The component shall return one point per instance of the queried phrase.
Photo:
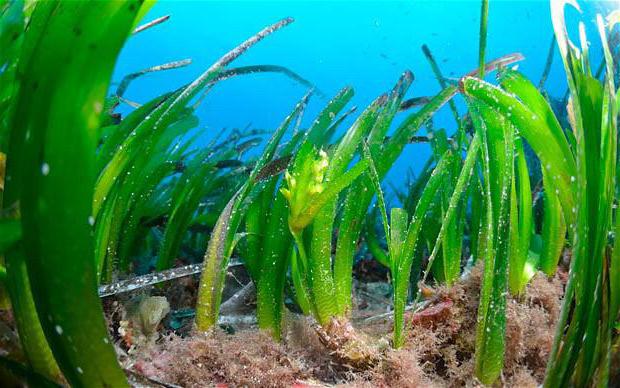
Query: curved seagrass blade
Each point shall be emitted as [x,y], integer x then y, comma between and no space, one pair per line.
[53,131]
[10,233]
[165,113]
[221,242]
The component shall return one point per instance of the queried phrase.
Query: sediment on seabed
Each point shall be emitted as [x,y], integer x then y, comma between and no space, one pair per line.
[438,352]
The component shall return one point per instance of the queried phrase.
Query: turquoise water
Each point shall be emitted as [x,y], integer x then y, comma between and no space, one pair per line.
[364,44]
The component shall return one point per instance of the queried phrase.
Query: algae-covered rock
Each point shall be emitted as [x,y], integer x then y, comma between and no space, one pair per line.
[143,316]
[151,311]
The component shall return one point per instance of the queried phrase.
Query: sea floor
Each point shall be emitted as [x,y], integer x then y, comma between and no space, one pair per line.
[438,352]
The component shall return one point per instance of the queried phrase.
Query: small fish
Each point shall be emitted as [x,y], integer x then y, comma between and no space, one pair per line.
[228,163]
[415,101]
[273,168]
[246,145]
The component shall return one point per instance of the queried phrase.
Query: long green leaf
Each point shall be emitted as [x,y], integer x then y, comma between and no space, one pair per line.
[538,128]
[584,326]
[55,196]
[498,147]
[219,249]
[402,265]
[520,223]
[164,113]
[459,189]
[10,233]
[553,229]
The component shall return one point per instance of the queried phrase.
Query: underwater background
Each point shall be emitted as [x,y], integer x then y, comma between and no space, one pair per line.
[363,44]
[197,227]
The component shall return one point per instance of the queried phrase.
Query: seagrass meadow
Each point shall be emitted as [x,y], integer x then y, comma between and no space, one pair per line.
[147,239]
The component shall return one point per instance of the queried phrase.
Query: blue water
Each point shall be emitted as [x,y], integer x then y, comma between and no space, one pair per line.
[364,44]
